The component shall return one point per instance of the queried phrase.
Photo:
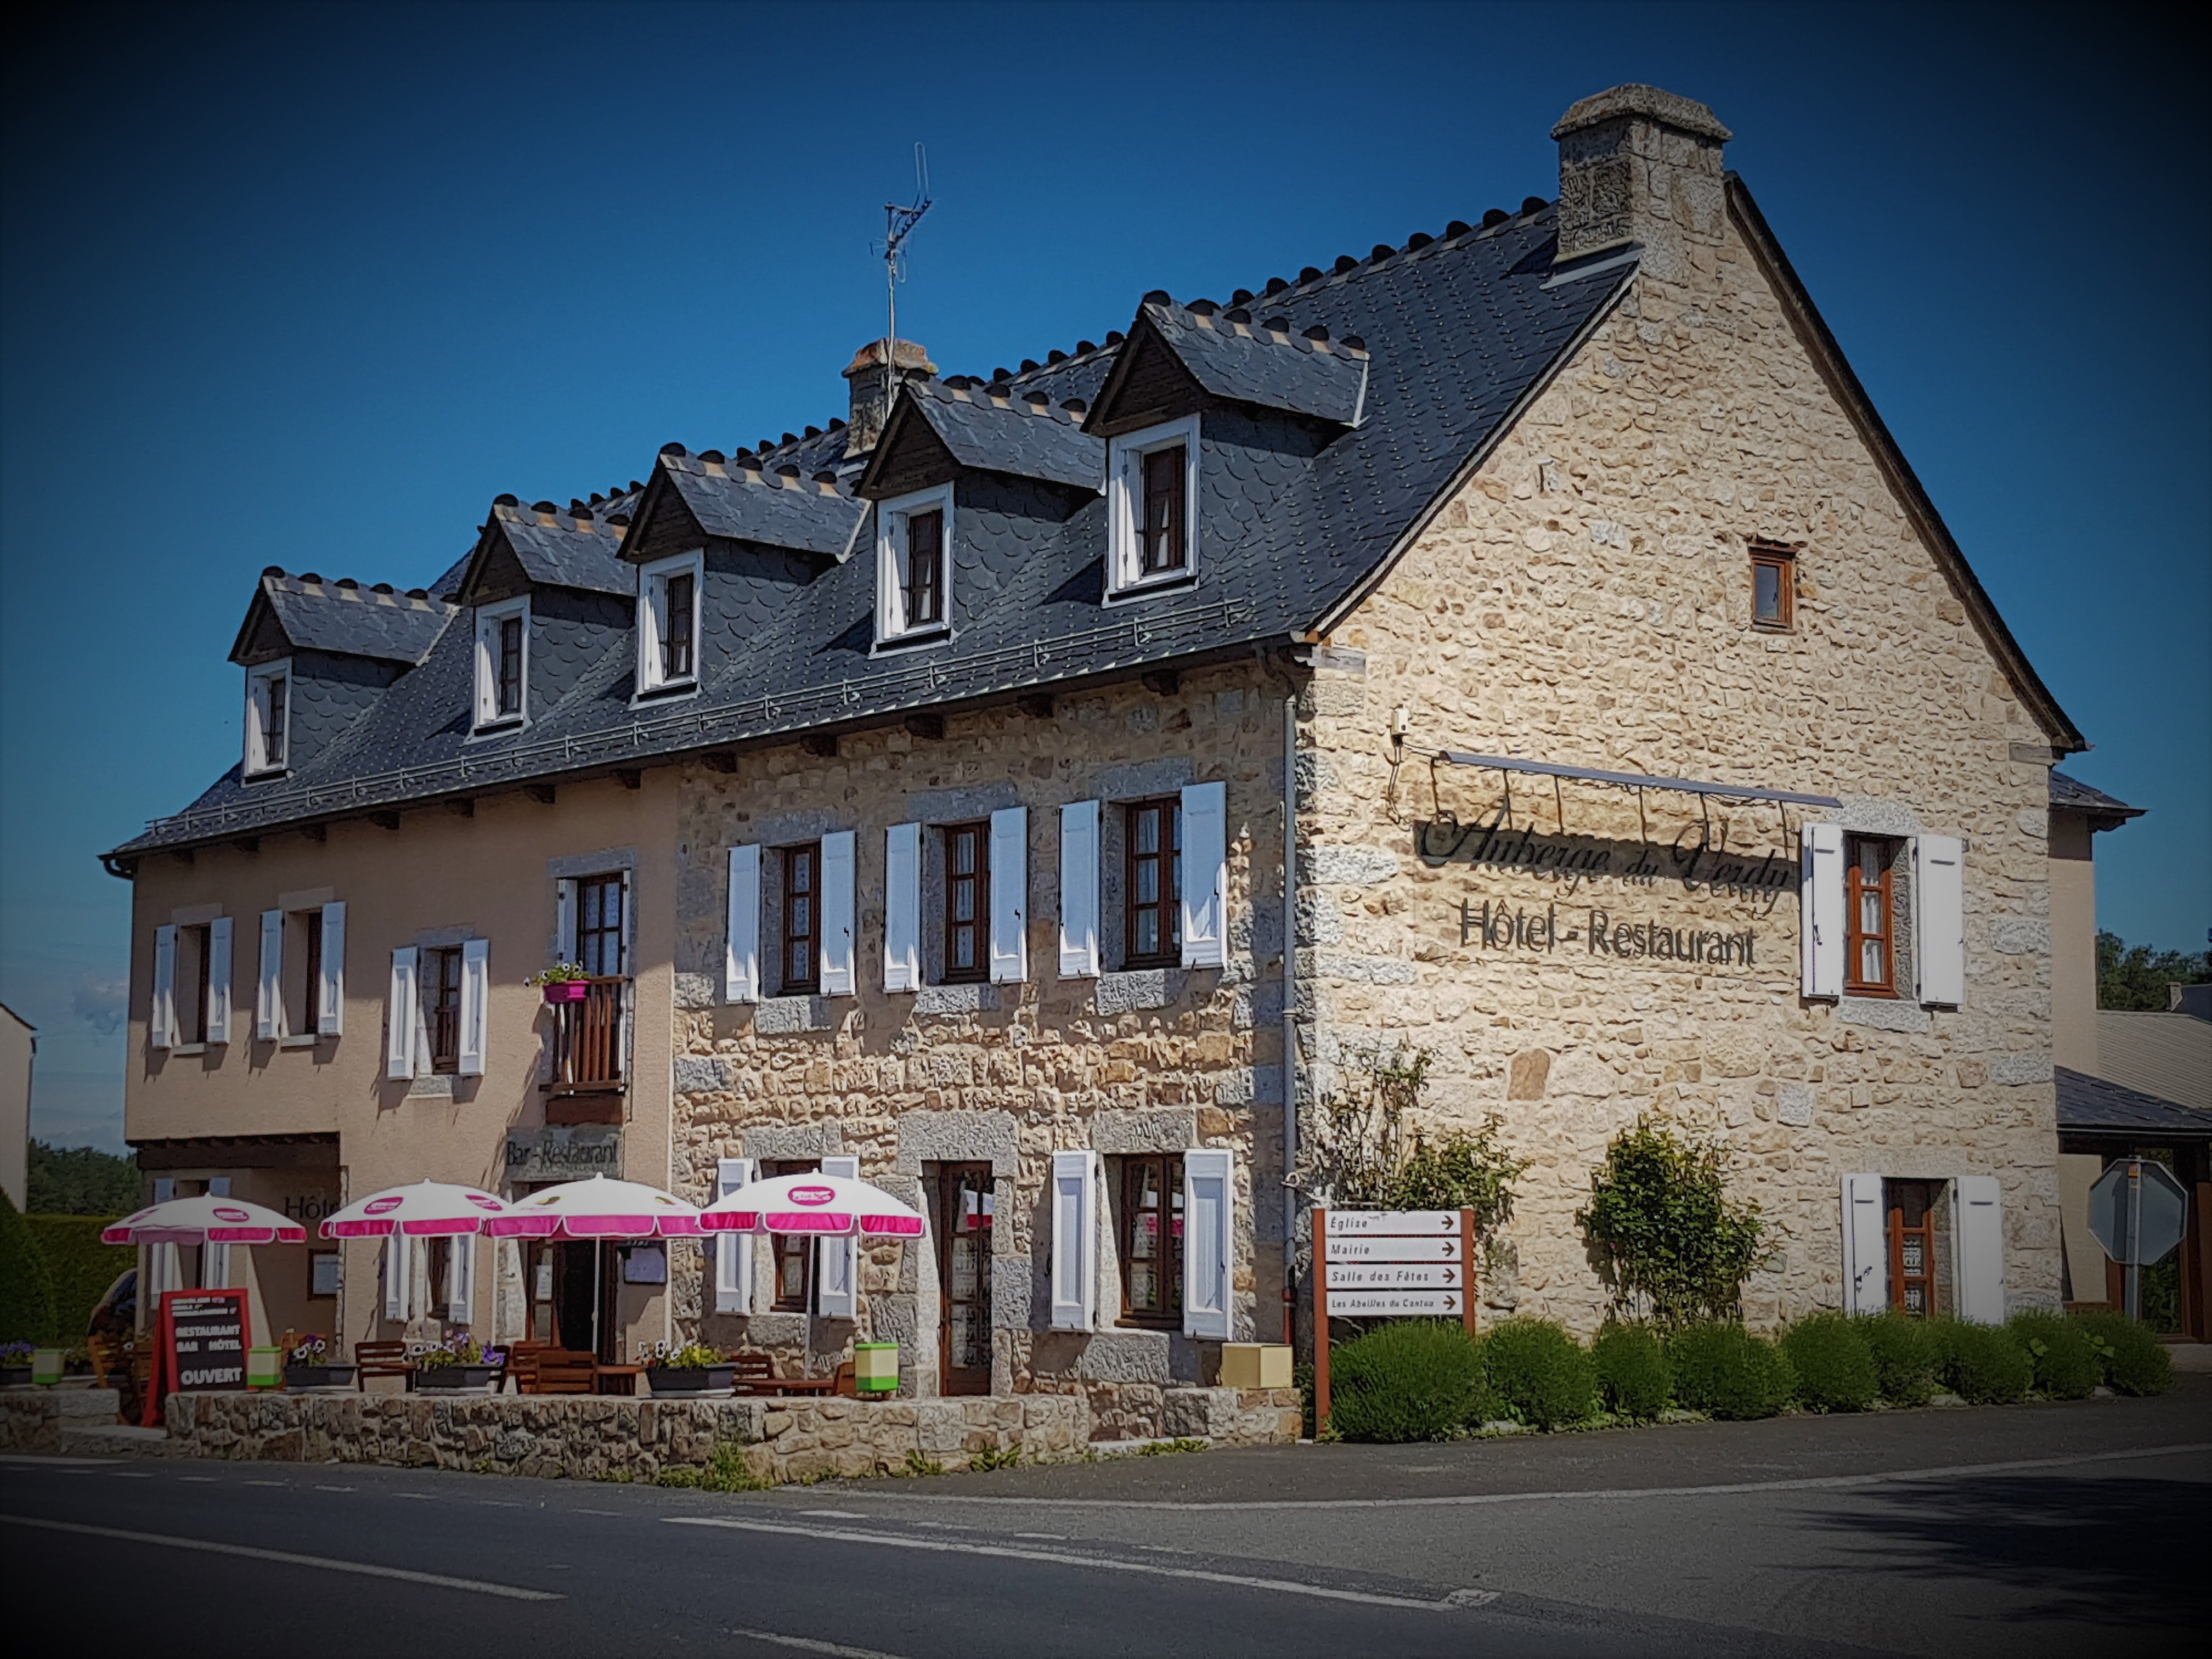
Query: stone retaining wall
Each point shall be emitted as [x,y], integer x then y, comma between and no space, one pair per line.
[32,1419]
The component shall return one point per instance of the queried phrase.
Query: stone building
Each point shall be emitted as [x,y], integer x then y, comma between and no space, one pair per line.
[1542,605]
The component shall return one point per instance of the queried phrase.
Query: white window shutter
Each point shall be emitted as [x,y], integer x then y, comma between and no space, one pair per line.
[162,1013]
[487,670]
[1865,1246]
[398,1276]
[1939,912]
[564,920]
[1075,1186]
[165,1188]
[1010,896]
[1821,909]
[741,957]
[269,991]
[403,1007]
[652,598]
[902,907]
[837,1260]
[330,995]
[476,1005]
[1209,1242]
[257,722]
[1981,1249]
[1205,875]
[460,1286]
[891,602]
[218,980]
[1079,890]
[733,1252]
[837,877]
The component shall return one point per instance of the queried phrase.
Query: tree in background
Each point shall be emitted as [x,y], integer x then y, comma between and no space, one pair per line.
[1678,1247]
[26,1288]
[2136,976]
[81,1180]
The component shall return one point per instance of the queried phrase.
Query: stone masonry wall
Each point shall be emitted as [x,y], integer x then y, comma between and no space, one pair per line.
[1586,599]
[1158,1059]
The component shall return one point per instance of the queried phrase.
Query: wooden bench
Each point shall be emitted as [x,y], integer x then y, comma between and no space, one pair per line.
[562,1370]
[381,1360]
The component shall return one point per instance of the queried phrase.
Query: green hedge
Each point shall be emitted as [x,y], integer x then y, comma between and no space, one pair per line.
[1410,1380]
[1982,1364]
[81,1266]
[1722,1369]
[2130,1354]
[1904,1350]
[1834,1363]
[26,1288]
[1540,1374]
[2060,1354]
[1631,1371]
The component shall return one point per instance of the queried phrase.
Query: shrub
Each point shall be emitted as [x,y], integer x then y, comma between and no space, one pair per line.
[1631,1369]
[2059,1353]
[1411,1380]
[1359,1154]
[2132,1358]
[1678,1247]
[82,1268]
[1904,1351]
[1835,1367]
[27,1289]
[1982,1364]
[1540,1374]
[1721,1368]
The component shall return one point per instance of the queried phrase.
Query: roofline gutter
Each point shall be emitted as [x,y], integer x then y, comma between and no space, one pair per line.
[1812,330]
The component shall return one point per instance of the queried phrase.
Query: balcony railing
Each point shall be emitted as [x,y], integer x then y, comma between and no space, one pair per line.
[587,1041]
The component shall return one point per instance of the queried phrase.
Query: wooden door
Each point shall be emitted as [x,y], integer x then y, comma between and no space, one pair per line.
[1913,1246]
[963,1278]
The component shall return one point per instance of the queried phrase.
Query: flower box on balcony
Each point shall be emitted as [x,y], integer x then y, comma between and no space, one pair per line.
[567,990]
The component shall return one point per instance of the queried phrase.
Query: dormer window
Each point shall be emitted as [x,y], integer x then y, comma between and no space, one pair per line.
[268,717]
[1152,507]
[914,544]
[668,624]
[502,662]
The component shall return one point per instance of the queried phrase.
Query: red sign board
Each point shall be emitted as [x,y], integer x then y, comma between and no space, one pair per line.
[200,1346]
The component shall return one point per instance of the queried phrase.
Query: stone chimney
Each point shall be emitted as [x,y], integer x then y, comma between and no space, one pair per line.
[865,372]
[1640,165]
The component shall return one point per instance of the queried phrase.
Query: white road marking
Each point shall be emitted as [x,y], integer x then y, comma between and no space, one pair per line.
[424,1496]
[48,1460]
[1056,1537]
[837,1515]
[132,1474]
[810,1644]
[1060,1558]
[334,1489]
[200,1479]
[269,1483]
[364,1568]
[1611,1494]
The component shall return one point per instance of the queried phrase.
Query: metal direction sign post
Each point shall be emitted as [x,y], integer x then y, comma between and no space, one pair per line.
[1388,1264]
[2138,1212]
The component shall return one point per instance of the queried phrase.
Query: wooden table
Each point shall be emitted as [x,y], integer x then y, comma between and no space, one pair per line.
[605,1376]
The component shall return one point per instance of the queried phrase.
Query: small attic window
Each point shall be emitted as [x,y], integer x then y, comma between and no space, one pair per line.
[1152,507]
[913,567]
[268,718]
[668,624]
[502,663]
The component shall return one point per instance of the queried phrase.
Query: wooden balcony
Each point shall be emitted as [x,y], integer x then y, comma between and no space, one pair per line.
[587,1080]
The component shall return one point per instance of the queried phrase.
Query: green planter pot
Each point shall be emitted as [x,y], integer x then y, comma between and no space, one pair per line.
[875,1367]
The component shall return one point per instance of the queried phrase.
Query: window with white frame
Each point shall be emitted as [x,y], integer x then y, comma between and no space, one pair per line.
[668,623]
[913,566]
[502,662]
[1152,507]
[268,717]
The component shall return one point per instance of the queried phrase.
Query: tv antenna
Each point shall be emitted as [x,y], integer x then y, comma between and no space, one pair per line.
[898,225]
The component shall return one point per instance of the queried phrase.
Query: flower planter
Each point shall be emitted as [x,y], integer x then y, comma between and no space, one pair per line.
[15,1376]
[567,990]
[691,1379]
[454,1379]
[319,1377]
[875,1368]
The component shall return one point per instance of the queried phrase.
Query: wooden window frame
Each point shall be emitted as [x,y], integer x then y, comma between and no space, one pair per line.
[789,936]
[1170,902]
[1895,1232]
[616,933]
[916,594]
[507,680]
[441,982]
[309,1024]
[1169,1314]
[1173,537]
[1783,561]
[679,652]
[1857,887]
[978,882]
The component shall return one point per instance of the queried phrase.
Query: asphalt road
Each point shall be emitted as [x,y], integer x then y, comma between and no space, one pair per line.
[2078,1529]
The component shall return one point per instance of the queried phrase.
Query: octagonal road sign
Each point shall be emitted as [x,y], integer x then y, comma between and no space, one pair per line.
[2137,1210]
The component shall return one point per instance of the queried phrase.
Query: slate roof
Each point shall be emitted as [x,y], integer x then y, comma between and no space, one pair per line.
[341,616]
[2086,1103]
[580,548]
[1295,511]
[2072,793]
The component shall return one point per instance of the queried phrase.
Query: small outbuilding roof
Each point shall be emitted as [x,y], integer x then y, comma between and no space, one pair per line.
[2095,1105]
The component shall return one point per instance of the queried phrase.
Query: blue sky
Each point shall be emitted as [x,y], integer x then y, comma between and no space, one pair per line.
[308,286]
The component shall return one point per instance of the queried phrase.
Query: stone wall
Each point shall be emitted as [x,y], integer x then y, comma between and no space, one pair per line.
[1586,599]
[609,1438]
[1002,1074]
[33,1420]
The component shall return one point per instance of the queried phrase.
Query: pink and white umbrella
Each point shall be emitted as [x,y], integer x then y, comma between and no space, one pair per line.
[596,1208]
[210,1218]
[835,1204]
[428,1209]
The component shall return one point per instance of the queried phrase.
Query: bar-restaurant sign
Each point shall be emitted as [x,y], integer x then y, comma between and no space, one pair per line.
[563,1153]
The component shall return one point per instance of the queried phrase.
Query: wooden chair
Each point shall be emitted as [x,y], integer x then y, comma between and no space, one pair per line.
[844,1382]
[754,1373]
[109,1360]
[381,1360]
[559,1370]
[521,1368]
